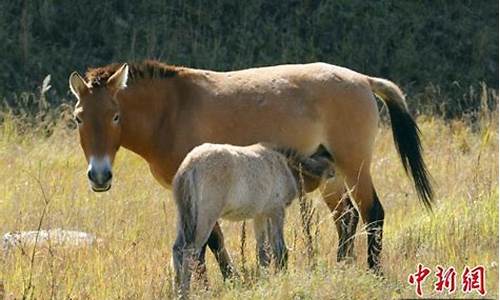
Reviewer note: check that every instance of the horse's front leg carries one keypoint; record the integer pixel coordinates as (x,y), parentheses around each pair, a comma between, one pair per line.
(216,244)
(261,225)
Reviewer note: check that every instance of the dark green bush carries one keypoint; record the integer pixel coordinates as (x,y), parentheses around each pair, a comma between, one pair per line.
(436,50)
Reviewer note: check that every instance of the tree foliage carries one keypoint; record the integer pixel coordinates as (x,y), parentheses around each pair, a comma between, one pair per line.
(438,51)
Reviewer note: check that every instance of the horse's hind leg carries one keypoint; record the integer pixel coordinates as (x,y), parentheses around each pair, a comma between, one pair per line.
(374,216)
(186,253)
(183,258)
(177,251)
(345,216)
(189,264)
(187,250)
(372,213)
(216,244)
(201,272)
(277,239)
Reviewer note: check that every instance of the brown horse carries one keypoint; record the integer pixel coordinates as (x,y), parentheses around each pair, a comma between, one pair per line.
(161,112)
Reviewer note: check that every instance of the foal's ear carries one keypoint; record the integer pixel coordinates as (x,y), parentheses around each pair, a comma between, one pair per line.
(118,81)
(322,152)
(319,167)
(77,84)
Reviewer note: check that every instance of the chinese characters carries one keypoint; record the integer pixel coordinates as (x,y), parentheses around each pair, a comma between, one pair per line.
(473,279)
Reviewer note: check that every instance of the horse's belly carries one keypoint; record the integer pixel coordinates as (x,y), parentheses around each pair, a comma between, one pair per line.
(284,115)
(160,178)
(302,134)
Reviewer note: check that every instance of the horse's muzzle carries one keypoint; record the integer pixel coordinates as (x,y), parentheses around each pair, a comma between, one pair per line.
(100,175)
(100,189)
(100,182)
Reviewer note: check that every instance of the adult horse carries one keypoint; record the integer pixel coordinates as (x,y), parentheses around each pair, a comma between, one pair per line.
(161,112)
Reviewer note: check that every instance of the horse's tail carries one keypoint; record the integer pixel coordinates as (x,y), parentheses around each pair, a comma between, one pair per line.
(406,136)
(186,199)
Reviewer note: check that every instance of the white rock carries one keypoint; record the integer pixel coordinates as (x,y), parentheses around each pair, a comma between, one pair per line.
(46,238)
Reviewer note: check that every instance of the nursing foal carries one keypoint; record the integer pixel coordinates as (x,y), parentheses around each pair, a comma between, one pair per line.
(236,183)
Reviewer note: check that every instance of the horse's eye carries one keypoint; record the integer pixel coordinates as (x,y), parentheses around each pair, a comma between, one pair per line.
(116,118)
(78,120)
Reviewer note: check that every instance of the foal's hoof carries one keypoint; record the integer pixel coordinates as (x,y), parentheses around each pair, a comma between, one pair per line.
(229,273)
(347,260)
(232,275)
(377,271)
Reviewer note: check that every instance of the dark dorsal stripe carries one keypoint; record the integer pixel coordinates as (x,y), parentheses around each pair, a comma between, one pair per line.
(149,69)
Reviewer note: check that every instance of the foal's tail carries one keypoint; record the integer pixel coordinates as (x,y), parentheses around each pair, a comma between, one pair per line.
(185,194)
(406,136)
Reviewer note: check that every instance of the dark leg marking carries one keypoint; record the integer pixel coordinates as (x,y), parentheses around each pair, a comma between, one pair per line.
(346,223)
(374,228)
(216,244)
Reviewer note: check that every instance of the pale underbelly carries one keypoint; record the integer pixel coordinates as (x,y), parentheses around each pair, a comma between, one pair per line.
(242,204)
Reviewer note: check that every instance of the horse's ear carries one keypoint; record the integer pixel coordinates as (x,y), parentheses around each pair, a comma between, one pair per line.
(77,84)
(118,81)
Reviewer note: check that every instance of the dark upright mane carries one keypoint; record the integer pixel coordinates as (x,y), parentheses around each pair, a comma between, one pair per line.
(289,153)
(148,69)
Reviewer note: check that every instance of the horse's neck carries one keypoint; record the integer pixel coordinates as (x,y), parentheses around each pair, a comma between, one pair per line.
(298,179)
(144,111)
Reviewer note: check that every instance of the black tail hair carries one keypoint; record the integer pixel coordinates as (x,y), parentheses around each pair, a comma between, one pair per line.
(406,137)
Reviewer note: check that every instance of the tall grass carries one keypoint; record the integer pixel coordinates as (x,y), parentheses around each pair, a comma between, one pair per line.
(435,50)
(136,220)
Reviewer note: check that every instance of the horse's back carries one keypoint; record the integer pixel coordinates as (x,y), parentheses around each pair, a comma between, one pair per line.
(313,79)
(311,71)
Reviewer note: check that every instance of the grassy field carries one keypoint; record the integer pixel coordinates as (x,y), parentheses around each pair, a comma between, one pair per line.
(136,220)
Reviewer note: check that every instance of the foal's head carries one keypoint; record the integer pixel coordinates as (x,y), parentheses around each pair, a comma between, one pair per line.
(314,169)
(97,114)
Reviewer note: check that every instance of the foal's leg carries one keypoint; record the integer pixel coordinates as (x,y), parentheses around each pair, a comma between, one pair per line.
(277,240)
(189,258)
(345,216)
(260,225)
(201,271)
(216,244)
(184,259)
(177,253)
(187,251)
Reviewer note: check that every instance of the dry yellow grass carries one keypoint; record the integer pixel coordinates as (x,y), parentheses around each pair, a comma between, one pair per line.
(137,221)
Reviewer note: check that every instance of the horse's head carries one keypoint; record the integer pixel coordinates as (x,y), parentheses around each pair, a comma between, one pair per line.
(97,114)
